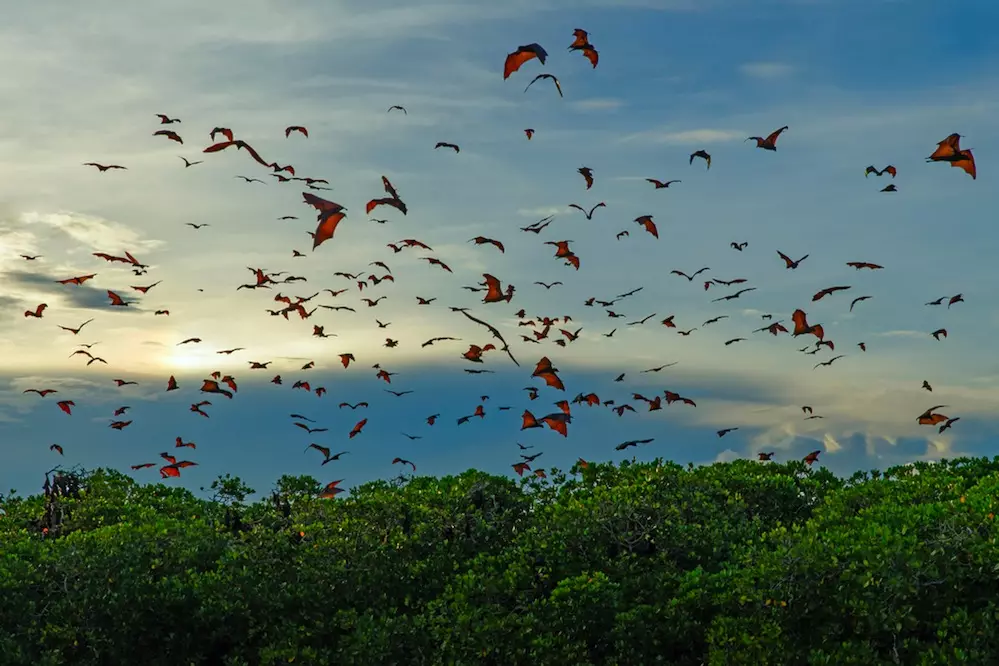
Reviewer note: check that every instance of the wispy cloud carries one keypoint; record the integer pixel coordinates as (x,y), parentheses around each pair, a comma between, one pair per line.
(686,137)
(598,104)
(766,70)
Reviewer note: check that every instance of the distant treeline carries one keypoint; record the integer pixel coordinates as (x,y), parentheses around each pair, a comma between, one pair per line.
(632,565)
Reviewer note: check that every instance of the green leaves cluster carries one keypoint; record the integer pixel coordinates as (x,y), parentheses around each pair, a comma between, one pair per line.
(653,563)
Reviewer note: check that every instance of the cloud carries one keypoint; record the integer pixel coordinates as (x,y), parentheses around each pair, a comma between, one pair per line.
(766,70)
(95,233)
(901,333)
(687,137)
(598,104)
(82,296)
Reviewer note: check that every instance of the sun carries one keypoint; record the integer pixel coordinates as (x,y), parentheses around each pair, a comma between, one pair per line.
(185,361)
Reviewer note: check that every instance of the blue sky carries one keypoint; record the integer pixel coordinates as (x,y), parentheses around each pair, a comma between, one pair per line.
(857,83)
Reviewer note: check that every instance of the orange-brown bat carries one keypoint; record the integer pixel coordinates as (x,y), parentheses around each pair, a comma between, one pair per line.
(520,56)
(212,386)
(224,131)
(442,144)
(581,38)
(494,290)
(173,136)
(520,467)
(392,200)
(104,167)
(955,299)
(587,175)
(930,417)
(646,222)
(330,490)
(479,240)
(765,456)
(661,184)
(438,262)
(825,292)
(166,120)
(558,86)
(864,264)
(214,148)
(119,425)
(356,430)
(77,280)
(116,300)
(801,326)
(228,352)
(474,353)
(769,143)
(66,406)
(939,332)
(545,371)
(888,169)
(589,215)
(329,217)
(173,470)
(588,52)
(143,466)
(703,154)
(37,312)
(143,290)
(811,458)
(295,128)
(949,150)
(172,384)
(530,133)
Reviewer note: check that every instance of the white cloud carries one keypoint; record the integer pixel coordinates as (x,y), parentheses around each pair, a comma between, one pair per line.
(94,232)
(766,70)
(687,137)
(598,104)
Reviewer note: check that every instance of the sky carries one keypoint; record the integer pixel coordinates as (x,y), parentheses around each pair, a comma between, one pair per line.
(857,83)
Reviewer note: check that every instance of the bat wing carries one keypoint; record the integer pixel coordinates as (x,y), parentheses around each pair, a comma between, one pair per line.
(946,148)
(522,55)
(966,161)
(772,139)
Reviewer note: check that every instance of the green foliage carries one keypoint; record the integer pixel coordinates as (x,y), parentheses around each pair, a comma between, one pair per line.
(653,563)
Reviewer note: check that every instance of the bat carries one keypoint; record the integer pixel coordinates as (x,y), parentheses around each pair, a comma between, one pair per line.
(588,52)
(888,169)
(829,362)
(442,144)
(703,154)
(659,184)
(396,107)
(645,221)
(587,175)
(690,278)
(173,136)
(529,133)
(329,216)
(857,300)
(589,215)
(828,290)
(864,264)
(790,263)
(296,128)
(104,167)
(558,86)
(769,143)
(166,120)
(521,55)
(949,150)
(634,442)
(187,163)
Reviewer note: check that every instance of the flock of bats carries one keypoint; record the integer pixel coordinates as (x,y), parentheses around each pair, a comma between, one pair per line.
(331,214)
